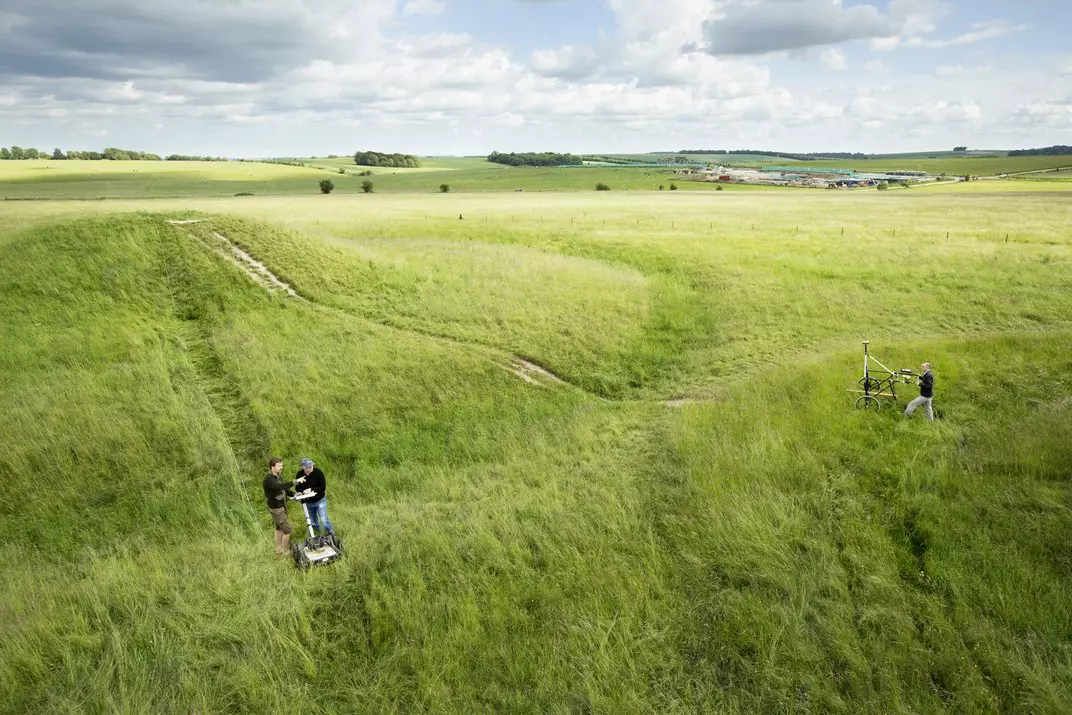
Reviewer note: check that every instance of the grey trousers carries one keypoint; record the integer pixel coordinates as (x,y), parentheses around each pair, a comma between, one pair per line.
(916,403)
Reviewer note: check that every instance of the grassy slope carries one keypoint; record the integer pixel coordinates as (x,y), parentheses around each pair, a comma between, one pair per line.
(151,179)
(535,550)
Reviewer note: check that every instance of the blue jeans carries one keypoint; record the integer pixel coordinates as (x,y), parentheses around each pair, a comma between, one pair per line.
(318,515)
(919,401)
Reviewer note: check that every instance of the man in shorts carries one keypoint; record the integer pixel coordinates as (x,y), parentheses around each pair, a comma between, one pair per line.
(276,492)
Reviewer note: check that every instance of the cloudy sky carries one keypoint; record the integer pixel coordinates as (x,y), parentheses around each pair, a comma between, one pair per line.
(248,78)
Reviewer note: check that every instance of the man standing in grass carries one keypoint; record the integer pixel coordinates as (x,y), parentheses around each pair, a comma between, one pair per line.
(318,503)
(276,492)
(926,393)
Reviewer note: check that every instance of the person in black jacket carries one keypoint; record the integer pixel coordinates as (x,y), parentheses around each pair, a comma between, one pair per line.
(926,393)
(276,492)
(318,503)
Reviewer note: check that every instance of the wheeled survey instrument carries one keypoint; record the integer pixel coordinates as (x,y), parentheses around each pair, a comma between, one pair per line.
(879,382)
(316,550)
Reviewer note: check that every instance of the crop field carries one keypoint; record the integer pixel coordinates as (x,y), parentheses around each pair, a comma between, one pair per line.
(681,511)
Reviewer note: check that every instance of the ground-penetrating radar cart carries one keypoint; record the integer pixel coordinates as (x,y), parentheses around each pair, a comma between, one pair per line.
(316,550)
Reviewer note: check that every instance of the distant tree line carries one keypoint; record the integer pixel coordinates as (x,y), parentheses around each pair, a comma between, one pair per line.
(375,158)
(810,156)
(17,153)
(614,159)
(1055,150)
(547,158)
(191,157)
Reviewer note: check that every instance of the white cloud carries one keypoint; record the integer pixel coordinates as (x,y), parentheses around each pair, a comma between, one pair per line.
(982,31)
(885,44)
(875,65)
(569,62)
(948,70)
(918,17)
(1050,113)
(424,7)
(833,58)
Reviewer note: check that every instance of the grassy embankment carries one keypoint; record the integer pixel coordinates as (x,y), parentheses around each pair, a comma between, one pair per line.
(541,549)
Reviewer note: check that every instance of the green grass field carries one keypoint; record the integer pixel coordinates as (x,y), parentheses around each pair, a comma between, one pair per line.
(695,520)
(45,179)
(975,166)
(951,163)
(96,180)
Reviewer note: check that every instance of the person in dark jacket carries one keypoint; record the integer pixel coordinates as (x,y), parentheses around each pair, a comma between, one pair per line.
(926,393)
(318,503)
(276,492)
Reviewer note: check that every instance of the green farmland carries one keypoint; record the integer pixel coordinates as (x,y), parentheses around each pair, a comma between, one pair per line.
(682,513)
(982,164)
(44,179)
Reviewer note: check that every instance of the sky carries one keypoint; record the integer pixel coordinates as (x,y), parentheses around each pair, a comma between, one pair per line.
(259,78)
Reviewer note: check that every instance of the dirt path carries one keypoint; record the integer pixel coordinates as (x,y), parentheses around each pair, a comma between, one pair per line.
(256,270)
(253,268)
(532,373)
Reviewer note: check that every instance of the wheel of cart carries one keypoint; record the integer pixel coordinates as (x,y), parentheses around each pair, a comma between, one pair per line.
(870,385)
(298,554)
(869,402)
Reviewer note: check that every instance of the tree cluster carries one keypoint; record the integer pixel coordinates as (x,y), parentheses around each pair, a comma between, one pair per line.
(17,153)
(191,157)
(614,159)
(375,158)
(547,158)
(1055,150)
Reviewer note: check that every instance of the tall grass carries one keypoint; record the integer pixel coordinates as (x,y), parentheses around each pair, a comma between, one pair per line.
(526,549)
